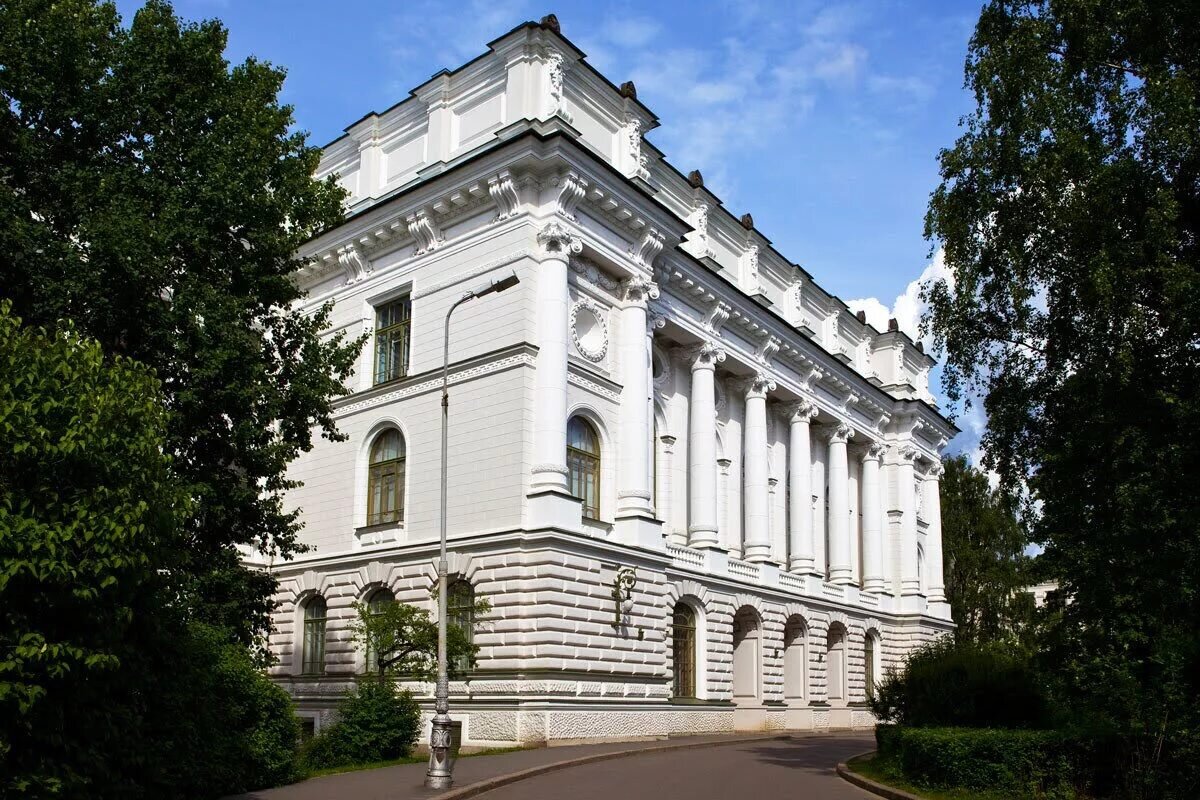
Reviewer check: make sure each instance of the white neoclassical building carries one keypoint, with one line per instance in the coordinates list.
(699, 493)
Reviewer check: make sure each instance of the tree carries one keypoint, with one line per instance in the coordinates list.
(107, 689)
(156, 197)
(402, 640)
(1069, 213)
(88, 514)
(984, 553)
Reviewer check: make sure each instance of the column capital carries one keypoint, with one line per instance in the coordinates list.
(637, 290)
(655, 320)
(935, 472)
(874, 451)
(756, 386)
(558, 242)
(908, 455)
(705, 355)
(801, 411)
(840, 434)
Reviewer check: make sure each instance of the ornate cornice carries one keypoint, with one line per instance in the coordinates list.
(503, 191)
(647, 249)
(571, 189)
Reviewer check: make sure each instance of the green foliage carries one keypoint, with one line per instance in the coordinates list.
(984, 554)
(376, 722)
(962, 683)
(219, 726)
(1069, 213)
(155, 195)
(402, 640)
(89, 515)
(1022, 763)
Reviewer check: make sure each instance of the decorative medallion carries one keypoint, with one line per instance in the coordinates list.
(589, 331)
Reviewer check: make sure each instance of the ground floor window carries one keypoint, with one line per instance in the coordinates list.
(683, 648)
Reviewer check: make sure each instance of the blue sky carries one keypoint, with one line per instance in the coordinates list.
(822, 119)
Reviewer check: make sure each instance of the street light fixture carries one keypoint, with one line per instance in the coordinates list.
(439, 775)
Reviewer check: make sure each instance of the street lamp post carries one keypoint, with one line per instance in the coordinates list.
(439, 775)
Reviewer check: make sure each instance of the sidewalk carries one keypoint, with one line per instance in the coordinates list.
(405, 782)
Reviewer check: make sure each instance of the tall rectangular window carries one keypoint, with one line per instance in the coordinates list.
(392, 340)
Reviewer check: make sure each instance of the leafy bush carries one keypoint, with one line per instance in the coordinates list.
(964, 684)
(376, 722)
(1043, 764)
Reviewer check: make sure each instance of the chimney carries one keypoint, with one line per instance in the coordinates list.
(747, 222)
(893, 326)
(862, 316)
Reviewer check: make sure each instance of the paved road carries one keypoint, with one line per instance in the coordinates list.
(802, 768)
(802, 765)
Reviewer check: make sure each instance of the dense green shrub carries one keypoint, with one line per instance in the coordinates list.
(376, 722)
(965, 684)
(1044, 764)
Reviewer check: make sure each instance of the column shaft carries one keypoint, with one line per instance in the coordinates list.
(800, 514)
(633, 482)
(757, 470)
(872, 506)
(702, 447)
(936, 582)
(910, 579)
(840, 570)
(550, 381)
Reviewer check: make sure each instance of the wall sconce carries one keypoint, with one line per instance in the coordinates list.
(622, 593)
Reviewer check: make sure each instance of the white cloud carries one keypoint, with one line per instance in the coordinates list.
(908, 307)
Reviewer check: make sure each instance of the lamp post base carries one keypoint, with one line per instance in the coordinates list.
(438, 775)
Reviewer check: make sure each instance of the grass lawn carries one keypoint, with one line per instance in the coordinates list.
(489, 751)
(879, 773)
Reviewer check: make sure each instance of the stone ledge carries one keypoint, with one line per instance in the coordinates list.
(871, 786)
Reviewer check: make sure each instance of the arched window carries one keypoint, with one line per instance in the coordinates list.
(835, 659)
(385, 479)
(795, 659)
(583, 465)
(460, 612)
(683, 650)
(312, 660)
(379, 601)
(871, 663)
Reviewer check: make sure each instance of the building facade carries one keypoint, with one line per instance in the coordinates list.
(699, 493)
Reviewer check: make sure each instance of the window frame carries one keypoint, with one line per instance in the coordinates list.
(683, 671)
(585, 465)
(383, 370)
(312, 647)
(396, 469)
(374, 602)
(461, 614)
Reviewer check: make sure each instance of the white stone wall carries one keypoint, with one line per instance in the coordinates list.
(599, 261)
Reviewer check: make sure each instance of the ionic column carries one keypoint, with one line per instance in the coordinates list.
(910, 579)
(872, 506)
(633, 481)
(840, 570)
(550, 381)
(702, 446)
(800, 511)
(756, 490)
(935, 591)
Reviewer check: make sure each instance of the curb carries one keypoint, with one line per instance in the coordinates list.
(871, 786)
(488, 784)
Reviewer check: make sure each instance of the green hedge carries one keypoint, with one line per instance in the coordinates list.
(1028, 763)
(949, 683)
(376, 722)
